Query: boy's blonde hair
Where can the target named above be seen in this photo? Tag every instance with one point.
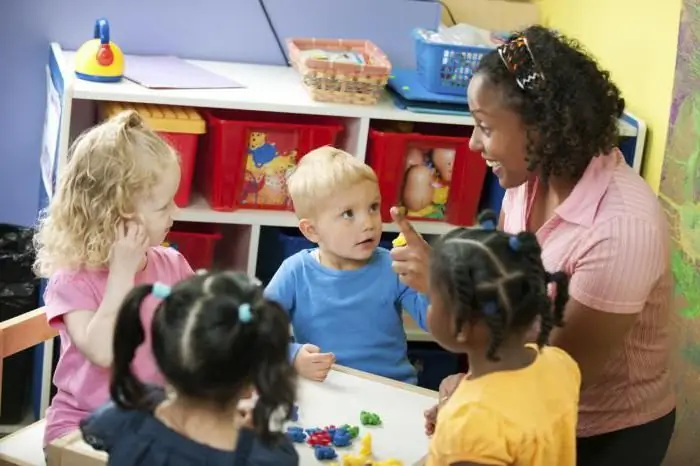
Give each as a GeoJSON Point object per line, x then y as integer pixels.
{"type": "Point", "coordinates": [322, 172]}
{"type": "Point", "coordinates": [109, 167]}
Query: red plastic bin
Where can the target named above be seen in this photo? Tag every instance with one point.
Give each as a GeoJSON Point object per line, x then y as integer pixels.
{"type": "Point", "coordinates": [180, 127]}
{"type": "Point", "coordinates": [186, 146]}
{"type": "Point", "coordinates": [436, 177]}
{"type": "Point", "coordinates": [245, 157]}
{"type": "Point", "coordinates": [196, 242]}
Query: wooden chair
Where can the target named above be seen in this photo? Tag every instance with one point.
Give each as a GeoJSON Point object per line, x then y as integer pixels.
{"type": "Point", "coordinates": [23, 447]}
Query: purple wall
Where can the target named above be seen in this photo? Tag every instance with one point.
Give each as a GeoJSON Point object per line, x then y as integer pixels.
{"type": "Point", "coordinates": [234, 30]}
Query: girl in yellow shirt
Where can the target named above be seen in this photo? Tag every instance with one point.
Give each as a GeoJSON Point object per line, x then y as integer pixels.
{"type": "Point", "coordinates": [518, 404]}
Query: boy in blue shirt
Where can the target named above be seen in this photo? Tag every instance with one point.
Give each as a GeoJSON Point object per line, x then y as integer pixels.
{"type": "Point", "coordinates": [343, 296]}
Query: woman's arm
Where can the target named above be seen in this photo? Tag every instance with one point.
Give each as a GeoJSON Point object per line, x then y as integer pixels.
{"type": "Point", "coordinates": [622, 261]}
{"type": "Point", "coordinates": [590, 337]}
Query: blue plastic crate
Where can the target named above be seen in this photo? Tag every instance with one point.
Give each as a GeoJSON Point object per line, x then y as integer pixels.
{"type": "Point", "coordinates": [446, 68]}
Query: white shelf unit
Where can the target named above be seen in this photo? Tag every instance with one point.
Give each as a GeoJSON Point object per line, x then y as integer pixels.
{"type": "Point", "coordinates": [267, 89]}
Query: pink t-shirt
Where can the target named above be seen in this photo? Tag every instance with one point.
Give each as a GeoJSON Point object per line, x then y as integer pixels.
{"type": "Point", "coordinates": [611, 237]}
{"type": "Point", "coordinates": [83, 386]}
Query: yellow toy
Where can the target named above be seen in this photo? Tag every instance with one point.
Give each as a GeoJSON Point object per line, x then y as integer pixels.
{"type": "Point", "coordinates": [399, 241]}
{"type": "Point", "coordinates": [364, 457]}
{"type": "Point", "coordinates": [99, 59]}
{"type": "Point", "coordinates": [354, 460]}
{"type": "Point", "coordinates": [366, 446]}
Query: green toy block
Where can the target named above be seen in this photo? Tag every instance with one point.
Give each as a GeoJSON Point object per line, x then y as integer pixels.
{"type": "Point", "coordinates": [370, 419]}
{"type": "Point", "coordinates": [354, 431]}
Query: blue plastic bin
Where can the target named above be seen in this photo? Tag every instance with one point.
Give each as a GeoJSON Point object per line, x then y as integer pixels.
{"type": "Point", "coordinates": [446, 68]}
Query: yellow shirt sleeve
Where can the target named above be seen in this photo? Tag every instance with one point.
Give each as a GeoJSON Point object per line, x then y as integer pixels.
{"type": "Point", "coordinates": [471, 433]}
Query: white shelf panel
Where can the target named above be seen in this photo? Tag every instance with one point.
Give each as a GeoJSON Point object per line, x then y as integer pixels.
{"type": "Point", "coordinates": [199, 211]}
{"type": "Point", "coordinates": [268, 88]}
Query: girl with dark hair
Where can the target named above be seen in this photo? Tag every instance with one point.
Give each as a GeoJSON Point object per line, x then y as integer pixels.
{"type": "Point", "coordinates": [518, 404]}
{"type": "Point", "coordinates": [215, 338]}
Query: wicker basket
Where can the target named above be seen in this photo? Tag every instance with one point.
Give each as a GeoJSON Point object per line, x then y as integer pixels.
{"type": "Point", "coordinates": [345, 83]}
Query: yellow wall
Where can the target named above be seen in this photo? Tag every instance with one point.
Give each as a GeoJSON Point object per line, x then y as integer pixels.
{"type": "Point", "coordinates": [636, 40]}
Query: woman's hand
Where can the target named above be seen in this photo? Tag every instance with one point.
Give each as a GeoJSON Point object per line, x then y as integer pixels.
{"type": "Point", "coordinates": [411, 261]}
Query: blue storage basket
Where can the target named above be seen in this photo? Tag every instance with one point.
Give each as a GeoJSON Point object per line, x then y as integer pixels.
{"type": "Point", "coordinates": [446, 68]}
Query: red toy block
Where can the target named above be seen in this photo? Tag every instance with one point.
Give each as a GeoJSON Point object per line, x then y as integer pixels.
{"type": "Point", "coordinates": [321, 438]}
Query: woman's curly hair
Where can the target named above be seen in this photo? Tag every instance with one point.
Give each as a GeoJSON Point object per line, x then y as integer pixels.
{"type": "Point", "coordinates": [570, 119]}
{"type": "Point", "coordinates": [110, 167]}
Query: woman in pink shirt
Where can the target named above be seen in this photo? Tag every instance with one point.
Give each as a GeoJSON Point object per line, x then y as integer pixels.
{"type": "Point", "coordinates": [100, 237]}
{"type": "Point", "coordinates": [546, 123]}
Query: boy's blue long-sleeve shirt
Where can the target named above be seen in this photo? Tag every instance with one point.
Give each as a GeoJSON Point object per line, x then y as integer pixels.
{"type": "Point", "coordinates": [355, 314]}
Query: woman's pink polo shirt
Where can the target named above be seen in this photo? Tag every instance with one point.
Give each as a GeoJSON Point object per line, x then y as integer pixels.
{"type": "Point", "coordinates": [611, 237]}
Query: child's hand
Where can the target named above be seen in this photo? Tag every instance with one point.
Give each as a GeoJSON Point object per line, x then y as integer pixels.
{"type": "Point", "coordinates": [312, 364]}
{"type": "Point", "coordinates": [447, 388]}
{"type": "Point", "coordinates": [129, 248]}
{"type": "Point", "coordinates": [430, 420]}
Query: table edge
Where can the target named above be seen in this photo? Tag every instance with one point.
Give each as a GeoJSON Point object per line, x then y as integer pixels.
{"type": "Point", "coordinates": [386, 381]}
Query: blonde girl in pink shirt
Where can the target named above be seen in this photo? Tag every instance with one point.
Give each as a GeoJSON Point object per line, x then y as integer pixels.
{"type": "Point", "coordinates": [99, 238]}
{"type": "Point", "coordinates": [547, 124]}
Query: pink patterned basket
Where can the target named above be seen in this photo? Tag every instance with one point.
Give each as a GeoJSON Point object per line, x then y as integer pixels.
{"type": "Point", "coordinates": [346, 83]}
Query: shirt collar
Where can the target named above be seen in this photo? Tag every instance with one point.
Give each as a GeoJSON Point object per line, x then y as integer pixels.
{"type": "Point", "coordinates": [581, 206]}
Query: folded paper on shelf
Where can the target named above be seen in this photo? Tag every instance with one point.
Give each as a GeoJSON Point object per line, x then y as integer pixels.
{"type": "Point", "coordinates": [169, 72]}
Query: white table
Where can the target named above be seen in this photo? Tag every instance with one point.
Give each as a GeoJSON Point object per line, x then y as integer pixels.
{"type": "Point", "coordinates": [336, 401]}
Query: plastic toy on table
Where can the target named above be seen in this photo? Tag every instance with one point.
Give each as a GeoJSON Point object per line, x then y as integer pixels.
{"type": "Point", "coordinates": [322, 452]}
{"type": "Point", "coordinates": [342, 438]}
{"type": "Point", "coordinates": [366, 446]}
{"type": "Point", "coordinates": [296, 434]}
{"type": "Point", "coordinates": [354, 431]}
{"type": "Point", "coordinates": [370, 419]}
{"type": "Point", "coordinates": [319, 438]}
{"type": "Point", "coordinates": [364, 457]}
{"type": "Point", "coordinates": [100, 59]}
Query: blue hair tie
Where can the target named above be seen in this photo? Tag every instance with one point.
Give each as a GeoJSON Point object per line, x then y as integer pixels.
{"type": "Point", "coordinates": [514, 243]}
{"type": "Point", "coordinates": [490, 308]}
{"type": "Point", "coordinates": [244, 314]}
{"type": "Point", "coordinates": [160, 290]}
{"type": "Point", "coordinates": [488, 225]}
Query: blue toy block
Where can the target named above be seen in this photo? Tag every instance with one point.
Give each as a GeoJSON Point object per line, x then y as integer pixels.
{"type": "Point", "coordinates": [294, 415]}
{"type": "Point", "coordinates": [342, 438]}
{"type": "Point", "coordinates": [324, 453]}
{"type": "Point", "coordinates": [296, 434]}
